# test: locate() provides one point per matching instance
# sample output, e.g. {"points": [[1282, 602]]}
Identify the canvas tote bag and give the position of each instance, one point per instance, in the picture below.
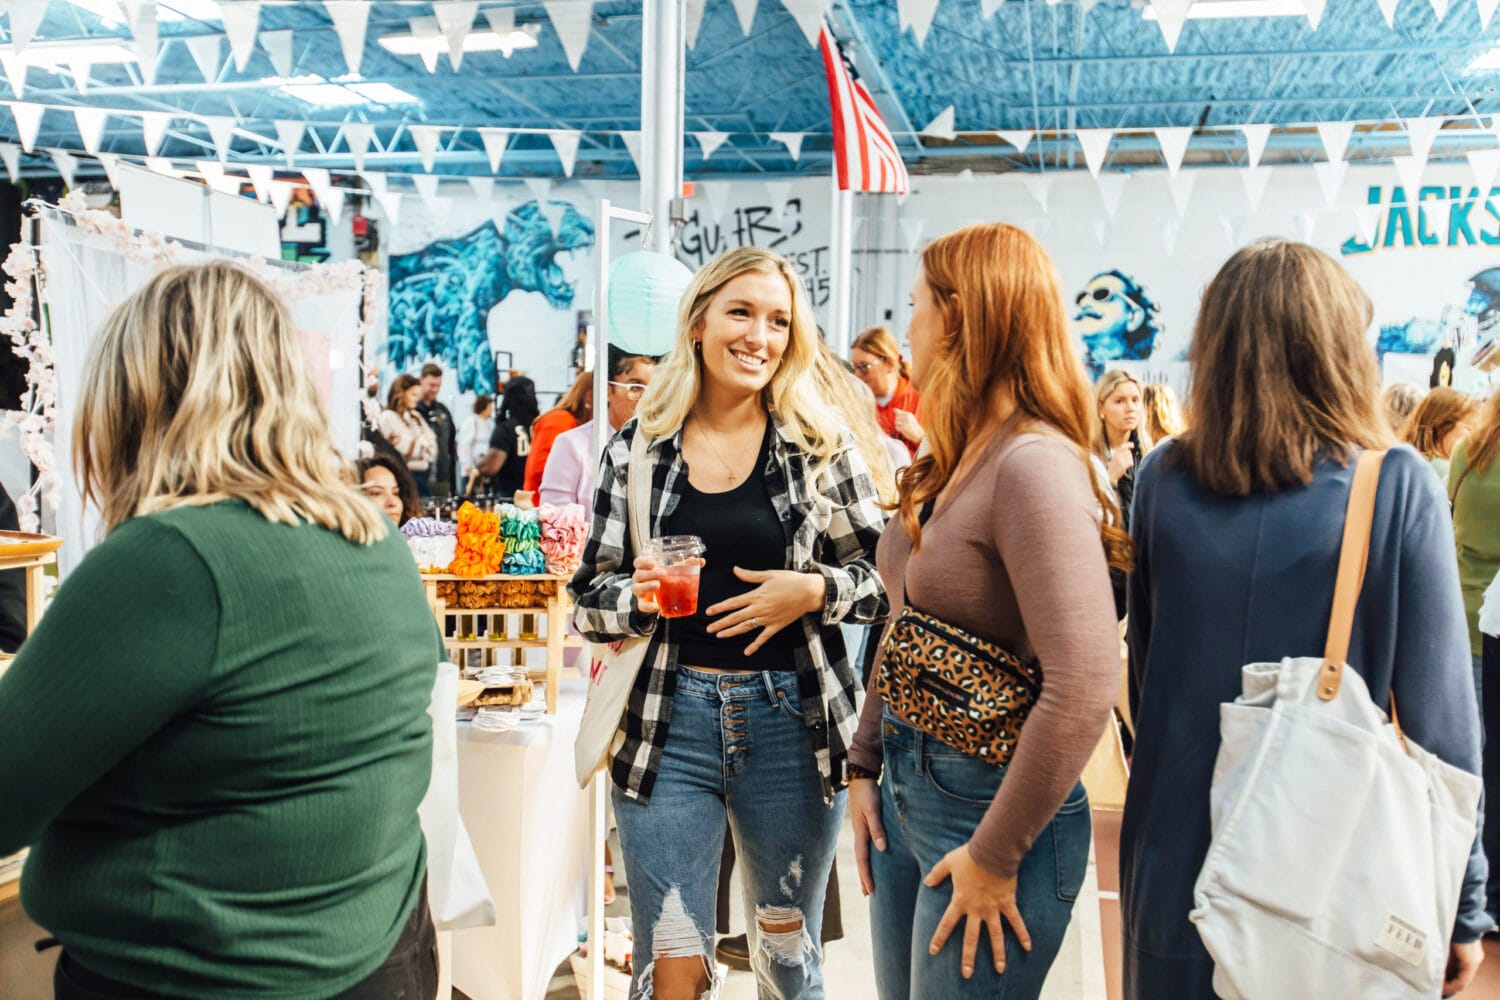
{"points": [[1339, 846], [613, 666]]}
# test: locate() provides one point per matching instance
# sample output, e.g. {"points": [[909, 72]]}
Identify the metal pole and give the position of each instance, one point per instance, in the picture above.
{"points": [[841, 271], [662, 74]]}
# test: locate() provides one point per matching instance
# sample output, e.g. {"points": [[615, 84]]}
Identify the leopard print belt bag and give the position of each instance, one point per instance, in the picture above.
{"points": [[968, 692]]}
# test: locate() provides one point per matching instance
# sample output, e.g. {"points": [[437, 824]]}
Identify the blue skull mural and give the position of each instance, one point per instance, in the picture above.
{"points": [[441, 295], [1459, 327], [1117, 321]]}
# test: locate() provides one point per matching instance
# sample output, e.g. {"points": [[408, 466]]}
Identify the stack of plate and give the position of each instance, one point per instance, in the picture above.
{"points": [[496, 720], [500, 676]]}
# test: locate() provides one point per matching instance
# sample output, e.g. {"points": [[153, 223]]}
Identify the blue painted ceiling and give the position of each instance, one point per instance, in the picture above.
{"points": [[1030, 65]]}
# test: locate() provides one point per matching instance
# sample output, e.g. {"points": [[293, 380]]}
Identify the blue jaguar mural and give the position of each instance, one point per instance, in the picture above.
{"points": [[1117, 321], [441, 295], [1460, 327]]}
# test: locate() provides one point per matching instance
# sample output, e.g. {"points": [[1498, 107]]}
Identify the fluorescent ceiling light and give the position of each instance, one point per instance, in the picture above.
{"points": [[1488, 62], [1209, 10], [343, 91], [55, 56], [433, 45]]}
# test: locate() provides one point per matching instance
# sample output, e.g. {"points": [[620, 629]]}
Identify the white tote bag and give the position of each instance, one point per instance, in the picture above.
{"points": [[613, 666], [1339, 846]]}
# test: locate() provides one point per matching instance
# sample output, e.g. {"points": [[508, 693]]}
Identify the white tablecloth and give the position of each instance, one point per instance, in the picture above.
{"points": [[530, 826]]}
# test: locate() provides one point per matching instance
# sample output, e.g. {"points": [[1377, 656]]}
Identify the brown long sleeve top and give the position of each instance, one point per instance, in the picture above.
{"points": [[1013, 554]]}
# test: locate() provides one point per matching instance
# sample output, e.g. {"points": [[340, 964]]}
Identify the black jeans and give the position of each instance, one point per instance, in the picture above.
{"points": [[410, 972]]}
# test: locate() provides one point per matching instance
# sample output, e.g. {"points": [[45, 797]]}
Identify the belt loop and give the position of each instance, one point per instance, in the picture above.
{"points": [[770, 686], [919, 748]]}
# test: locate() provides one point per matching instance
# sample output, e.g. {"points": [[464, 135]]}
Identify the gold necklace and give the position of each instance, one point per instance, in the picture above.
{"points": [[728, 469]]}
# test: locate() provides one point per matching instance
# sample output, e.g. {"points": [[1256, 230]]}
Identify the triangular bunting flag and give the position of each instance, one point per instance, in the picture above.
{"points": [[241, 22], [1388, 8], [1174, 143], [745, 11], [425, 29], [357, 136], [1335, 136], [1095, 143], [566, 144], [792, 141], [553, 212], [1486, 11], [1255, 142], [941, 127], [1019, 137], [809, 16], [1409, 169], [1421, 132], [261, 175], [322, 187], [161, 165], [205, 50], [540, 187], [987, 8], [154, 129], [90, 123], [494, 140], [1111, 187], [1306, 224], [278, 45], [1255, 180], [716, 193], [484, 187], [1366, 222], [15, 72], [350, 19], [25, 18], [502, 22], [632, 141], [106, 161], [455, 20], [1171, 15], [211, 171], [28, 121], [710, 141], [1101, 230], [1040, 187], [572, 20], [1181, 187], [911, 233], [692, 20], [1438, 211], [426, 138], [917, 15], [1170, 227], [1330, 178], [221, 131], [1314, 11], [1485, 163], [281, 197], [1440, 8], [66, 163], [11, 154], [289, 135], [79, 70], [143, 31], [427, 187], [391, 204]]}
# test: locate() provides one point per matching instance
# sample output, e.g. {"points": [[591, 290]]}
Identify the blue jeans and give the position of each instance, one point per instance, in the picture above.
{"points": [[738, 753], [932, 798]]}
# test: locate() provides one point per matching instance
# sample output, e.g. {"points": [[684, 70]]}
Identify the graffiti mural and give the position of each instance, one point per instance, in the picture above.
{"points": [[1116, 320], [441, 295], [1461, 326]]}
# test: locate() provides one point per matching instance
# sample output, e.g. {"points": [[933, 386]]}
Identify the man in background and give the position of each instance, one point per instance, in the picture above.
{"points": [[440, 480]]}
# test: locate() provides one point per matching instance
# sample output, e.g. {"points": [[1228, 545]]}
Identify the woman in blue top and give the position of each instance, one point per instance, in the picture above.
{"points": [[1237, 525]]}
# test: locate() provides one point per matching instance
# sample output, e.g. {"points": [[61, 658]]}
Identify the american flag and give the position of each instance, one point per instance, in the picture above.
{"points": [[866, 154]]}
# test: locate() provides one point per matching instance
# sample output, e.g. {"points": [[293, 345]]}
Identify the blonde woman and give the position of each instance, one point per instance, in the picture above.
{"points": [[408, 431], [218, 777], [1121, 439], [876, 359], [743, 711], [1163, 412]]}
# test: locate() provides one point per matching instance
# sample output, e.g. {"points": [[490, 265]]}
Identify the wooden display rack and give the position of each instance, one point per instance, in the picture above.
{"points": [[32, 555], [556, 608]]}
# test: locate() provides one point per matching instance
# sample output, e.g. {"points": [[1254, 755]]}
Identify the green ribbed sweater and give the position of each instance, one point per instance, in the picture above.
{"points": [[215, 742], [1476, 532]]}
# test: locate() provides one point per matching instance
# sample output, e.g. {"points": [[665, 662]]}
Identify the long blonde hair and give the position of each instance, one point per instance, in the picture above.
{"points": [[1163, 411], [812, 421], [855, 401], [195, 391], [1107, 384], [1436, 415]]}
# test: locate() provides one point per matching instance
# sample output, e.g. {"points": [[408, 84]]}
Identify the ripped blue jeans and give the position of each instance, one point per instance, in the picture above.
{"points": [[738, 753]]}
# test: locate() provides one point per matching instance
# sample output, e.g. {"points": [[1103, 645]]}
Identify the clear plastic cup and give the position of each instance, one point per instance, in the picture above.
{"points": [[679, 559]]}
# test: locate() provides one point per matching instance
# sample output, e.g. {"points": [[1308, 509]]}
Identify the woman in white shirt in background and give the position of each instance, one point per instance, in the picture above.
{"points": [[474, 438], [569, 474]]}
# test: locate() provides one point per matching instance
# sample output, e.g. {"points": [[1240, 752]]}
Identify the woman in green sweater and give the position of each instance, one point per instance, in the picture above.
{"points": [[216, 740]]}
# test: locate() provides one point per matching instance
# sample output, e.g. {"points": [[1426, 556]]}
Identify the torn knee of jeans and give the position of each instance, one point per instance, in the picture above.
{"points": [[675, 935], [783, 935]]}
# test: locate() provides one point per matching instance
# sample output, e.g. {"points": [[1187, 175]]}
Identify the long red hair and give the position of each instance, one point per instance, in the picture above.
{"points": [[1003, 315]]}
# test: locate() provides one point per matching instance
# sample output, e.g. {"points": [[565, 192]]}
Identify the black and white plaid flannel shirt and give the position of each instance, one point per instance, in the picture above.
{"points": [[831, 530]]}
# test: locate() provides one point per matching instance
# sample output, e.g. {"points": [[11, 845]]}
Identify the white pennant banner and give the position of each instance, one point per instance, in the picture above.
{"points": [[1331, 178], [1040, 187], [1181, 187], [25, 18], [484, 187], [941, 127], [1256, 137], [221, 131], [792, 141], [494, 140], [540, 187], [1422, 132], [553, 212], [1095, 143], [154, 129], [143, 31], [427, 188], [1174, 144], [90, 123], [261, 175], [80, 70], [809, 16], [289, 135], [1388, 8], [572, 20], [278, 45], [709, 142], [1440, 8], [11, 154], [211, 171], [745, 11], [426, 138], [1486, 11], [1019, 138], [357, 136], [1255, 180], [566, 144], [425, 29], [391, 203], [1409, 169], [1111, 188], [455, 20], [378, 184], [15, 72], [1485, 163], [632, 142], [917, 15], [66, 163], [1335, 136], [281, 197], [28, 122], [109, 163], [1439, 212], [1171, 15], [323, 189], [161, 165], [692, 20], [350, 20], [206, 51], [241, 22], [1314, 11], [1366, 222]]}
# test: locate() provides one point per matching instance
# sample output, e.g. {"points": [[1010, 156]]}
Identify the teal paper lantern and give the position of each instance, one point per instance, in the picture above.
{"points": [[645, 290]]}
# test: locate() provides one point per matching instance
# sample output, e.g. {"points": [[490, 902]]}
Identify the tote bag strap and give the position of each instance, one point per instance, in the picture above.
{"points": [[1353, 555], [638, 491]]}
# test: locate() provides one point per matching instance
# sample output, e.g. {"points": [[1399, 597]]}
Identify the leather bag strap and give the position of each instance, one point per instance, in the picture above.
{"points": [[1353, 555]]}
